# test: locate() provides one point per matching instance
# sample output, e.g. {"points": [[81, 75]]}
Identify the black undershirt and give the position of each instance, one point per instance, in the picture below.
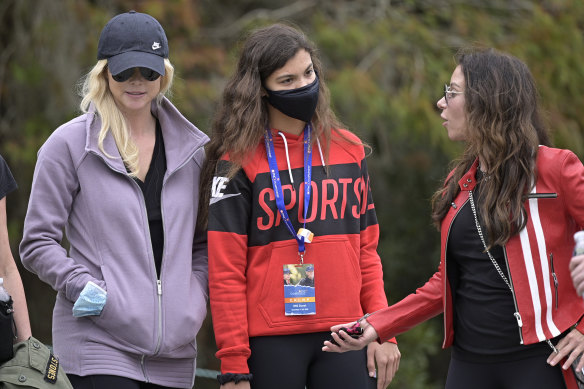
{"points": [[484, 322], [152, 190]]}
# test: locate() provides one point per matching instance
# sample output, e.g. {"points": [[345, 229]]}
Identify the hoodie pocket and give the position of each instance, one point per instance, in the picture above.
{"points": [[182, 321], [129, 315], [337, 281]]}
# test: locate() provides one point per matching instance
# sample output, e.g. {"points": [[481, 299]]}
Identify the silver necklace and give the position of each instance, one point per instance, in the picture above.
{"points": [[474, 213], [484, 174]]}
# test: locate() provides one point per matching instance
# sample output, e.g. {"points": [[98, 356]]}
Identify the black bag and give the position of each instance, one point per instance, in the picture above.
{"points": [[7, 330]]}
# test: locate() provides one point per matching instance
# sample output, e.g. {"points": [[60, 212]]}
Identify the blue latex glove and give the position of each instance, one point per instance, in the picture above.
{"points": [[91, 301]]}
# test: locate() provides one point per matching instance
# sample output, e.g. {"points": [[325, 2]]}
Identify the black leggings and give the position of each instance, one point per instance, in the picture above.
{"points": [[109, 382], [528, 373], [297, 361]]}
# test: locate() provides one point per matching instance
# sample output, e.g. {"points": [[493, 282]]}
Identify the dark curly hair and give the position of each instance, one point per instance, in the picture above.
{"points": [[241, 118], [504, 131]]}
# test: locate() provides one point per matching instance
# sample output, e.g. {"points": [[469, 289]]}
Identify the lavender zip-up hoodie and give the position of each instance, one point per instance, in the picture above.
{"points": [[147, 328]]}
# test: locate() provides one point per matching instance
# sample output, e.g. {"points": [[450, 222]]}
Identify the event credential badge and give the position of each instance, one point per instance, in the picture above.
{"points": [[299, 292]]}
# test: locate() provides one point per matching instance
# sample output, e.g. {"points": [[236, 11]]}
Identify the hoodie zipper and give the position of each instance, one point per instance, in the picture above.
{"points": [[158, 281], [143, 368], [151, 252]]}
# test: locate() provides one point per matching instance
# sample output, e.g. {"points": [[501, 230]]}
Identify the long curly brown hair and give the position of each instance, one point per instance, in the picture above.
{"points": [[242, 116], [504, 131]]}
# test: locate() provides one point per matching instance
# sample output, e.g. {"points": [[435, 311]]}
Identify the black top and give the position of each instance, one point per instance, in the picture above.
{"points": [[152, 190], [484, 321], [7, 182]]}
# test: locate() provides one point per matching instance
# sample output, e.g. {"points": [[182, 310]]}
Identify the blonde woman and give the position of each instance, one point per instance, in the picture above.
{"points": [[122, 181]]}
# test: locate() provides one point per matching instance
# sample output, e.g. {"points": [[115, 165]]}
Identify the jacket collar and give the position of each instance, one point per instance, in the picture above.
{"points": [[468, 180], [181, 138]]}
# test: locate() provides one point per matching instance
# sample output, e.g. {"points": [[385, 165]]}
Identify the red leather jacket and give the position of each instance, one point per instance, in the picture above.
{"points": [[536, 257]]}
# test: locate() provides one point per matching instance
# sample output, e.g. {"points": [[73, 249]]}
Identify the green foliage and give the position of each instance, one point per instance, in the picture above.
{"points": [[415, 367], [385, 64]]}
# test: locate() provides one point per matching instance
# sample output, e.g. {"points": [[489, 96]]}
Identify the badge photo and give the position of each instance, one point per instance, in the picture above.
{"points": [[299, 290]]}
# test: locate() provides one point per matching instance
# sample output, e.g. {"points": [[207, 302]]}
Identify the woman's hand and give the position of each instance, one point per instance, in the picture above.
{"points": [[386, 356], [345, 342], [577, 272], [232, 385], [571, 347]]}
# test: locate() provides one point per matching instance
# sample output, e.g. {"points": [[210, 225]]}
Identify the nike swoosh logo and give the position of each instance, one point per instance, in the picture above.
{"points": [[217, 199]]}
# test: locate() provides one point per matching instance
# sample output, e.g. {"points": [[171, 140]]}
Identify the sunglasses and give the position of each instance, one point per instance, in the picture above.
{"points": [[148, 74]]}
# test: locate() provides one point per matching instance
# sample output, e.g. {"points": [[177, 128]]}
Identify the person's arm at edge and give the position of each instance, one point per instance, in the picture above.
{"points": [[12, 280]]}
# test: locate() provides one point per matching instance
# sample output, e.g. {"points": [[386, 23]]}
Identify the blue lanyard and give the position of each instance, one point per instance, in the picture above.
{"points": [[277, 184]]}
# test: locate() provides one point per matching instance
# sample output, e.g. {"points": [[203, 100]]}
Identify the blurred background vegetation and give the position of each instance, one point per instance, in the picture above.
{"points": [[386, 64]]}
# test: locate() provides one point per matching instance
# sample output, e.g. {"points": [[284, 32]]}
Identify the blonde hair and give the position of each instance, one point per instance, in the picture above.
{"points": [[95, 90]]}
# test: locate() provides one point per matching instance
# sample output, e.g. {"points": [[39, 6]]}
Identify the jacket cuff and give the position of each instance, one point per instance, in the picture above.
{"points": [[377, 322], [232, 377], [233, 363]]}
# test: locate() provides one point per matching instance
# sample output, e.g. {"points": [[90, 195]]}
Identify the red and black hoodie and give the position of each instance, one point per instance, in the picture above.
{"points": [[249, 244]]}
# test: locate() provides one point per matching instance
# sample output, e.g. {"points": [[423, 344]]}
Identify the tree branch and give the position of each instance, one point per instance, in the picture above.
{"points": [[281, 13]]}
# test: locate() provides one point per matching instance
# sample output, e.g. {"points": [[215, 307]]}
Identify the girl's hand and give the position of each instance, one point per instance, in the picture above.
{"points": [[386, 356], [345, 342]]}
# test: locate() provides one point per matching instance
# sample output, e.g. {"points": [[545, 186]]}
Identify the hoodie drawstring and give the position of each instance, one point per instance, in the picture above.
{"points": [[288, 155], [320, 152]]}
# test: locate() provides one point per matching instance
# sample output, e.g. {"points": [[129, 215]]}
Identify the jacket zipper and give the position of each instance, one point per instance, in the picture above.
{"points": [[516, 314], [143, 367], [453, 205], [158, 281], [151, 252], [548, 341], [158, 285], [555, 277], [542, 196]]}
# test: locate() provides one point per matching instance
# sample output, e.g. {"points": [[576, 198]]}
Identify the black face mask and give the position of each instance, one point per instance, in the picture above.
{"points": [[298, 103]]}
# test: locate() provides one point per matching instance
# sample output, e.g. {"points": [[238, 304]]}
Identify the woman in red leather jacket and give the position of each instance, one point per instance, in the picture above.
{"points": [[507, 214]]}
